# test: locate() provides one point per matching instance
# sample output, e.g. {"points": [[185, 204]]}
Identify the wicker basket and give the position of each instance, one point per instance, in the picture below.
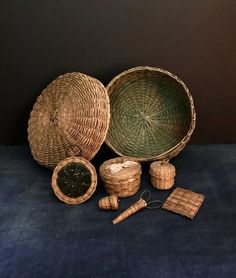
{"points": [[123, 183], [109, 203], [70, 117], [162, 175], [74, 180], [152, 114]]}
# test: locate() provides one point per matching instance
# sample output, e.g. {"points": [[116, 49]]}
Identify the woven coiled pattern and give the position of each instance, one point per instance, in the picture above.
{"points": [[74, 180], [70, 117], [152, 114]]}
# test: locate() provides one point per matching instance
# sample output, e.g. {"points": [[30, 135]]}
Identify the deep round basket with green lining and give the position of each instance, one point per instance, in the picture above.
{"points": [[152, 114], [74, 180]]}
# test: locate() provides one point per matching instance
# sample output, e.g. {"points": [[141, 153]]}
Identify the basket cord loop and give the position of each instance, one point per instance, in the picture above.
{"points": [[148, 193], [158, 202], [150, 204]]}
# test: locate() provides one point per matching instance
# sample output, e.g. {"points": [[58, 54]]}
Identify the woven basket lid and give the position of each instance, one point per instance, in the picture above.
{"points": [[126, 171], [74, 180], [70, 117], [152, 114]]}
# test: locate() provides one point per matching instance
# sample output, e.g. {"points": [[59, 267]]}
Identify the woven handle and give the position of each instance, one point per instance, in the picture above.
{"points": [[73, 150]]}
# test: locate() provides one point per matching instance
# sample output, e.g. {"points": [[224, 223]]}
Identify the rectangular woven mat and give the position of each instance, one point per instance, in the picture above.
{"points": [[184, 202]]}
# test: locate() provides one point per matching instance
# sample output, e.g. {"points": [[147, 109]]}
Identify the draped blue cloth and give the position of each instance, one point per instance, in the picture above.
{"points": [[43, 237]]}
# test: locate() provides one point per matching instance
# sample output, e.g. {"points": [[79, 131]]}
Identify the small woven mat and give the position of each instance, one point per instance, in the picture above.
{"points": [[184, 202]]}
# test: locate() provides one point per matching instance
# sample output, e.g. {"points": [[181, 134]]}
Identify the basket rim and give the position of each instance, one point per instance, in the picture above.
{"points": [[88, 193], [184, 140]]}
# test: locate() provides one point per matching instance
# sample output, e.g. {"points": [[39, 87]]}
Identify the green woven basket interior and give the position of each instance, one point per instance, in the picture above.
{"points": [[150, 114], [74, 179]]}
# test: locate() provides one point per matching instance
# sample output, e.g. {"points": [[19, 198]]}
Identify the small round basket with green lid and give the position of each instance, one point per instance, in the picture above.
{"points": [[74, 180], [152, 114]]}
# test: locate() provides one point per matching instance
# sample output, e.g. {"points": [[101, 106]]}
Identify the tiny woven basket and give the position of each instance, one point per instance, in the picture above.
{"points": [[109, 203], [124, 183], [70, 117], [152, 114], [162, 175], [74, 180]]}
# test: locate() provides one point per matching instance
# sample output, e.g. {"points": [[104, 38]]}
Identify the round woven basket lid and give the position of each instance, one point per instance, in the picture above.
{"points": [[127, 167], [70, 117], [152, 114], [74, 180]]}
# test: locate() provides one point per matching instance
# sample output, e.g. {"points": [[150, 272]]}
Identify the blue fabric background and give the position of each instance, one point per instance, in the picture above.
{"points": [[42, 237]]}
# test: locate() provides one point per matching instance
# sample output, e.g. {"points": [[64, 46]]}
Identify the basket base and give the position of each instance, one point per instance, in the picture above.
{"points": [[123, 189], [162, 184]]}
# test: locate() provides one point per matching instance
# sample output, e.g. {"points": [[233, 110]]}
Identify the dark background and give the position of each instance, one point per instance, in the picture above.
{"points": [[196, 40]]}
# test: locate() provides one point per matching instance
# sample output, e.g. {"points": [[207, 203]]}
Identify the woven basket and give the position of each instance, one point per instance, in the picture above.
{"points": [[152, 114], [162, 175], [124, 183], [70, 117], [110, 202], [74, 180]]}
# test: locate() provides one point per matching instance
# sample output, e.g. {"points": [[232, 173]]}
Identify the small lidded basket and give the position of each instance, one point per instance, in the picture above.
{"points": [[109, 203], [162, 174], [121, 176], [74, 180]]}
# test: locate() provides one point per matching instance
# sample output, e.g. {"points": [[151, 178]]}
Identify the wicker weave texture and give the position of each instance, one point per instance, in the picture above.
{"points": [[184, 202], [70, 117], [122, 188], [162, 175], [109, 203], [74, 179], [122, 184], [162, 184], [140, 204], [152, 114]]}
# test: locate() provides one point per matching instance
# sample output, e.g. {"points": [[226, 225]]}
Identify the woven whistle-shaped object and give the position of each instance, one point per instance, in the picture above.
{"points": [[131, 210], [109, 203]]}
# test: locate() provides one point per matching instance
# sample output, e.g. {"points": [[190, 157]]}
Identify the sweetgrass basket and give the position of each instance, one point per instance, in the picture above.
{"points": [[70, 117], [152, 114], [123, 183], [74, 180], [162, 174]]}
